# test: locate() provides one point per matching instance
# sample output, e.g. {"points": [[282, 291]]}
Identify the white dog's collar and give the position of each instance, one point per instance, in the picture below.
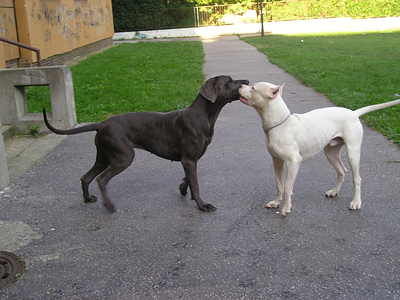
{"points": [[280, 123]]}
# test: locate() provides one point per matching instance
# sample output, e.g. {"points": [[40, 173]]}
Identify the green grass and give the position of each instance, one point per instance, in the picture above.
{"points": [[38, 97], [133, 77], [352, 70]]}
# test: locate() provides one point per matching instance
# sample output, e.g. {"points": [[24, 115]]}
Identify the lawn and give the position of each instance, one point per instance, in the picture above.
{"points": [[159, 76], [352, 70]]}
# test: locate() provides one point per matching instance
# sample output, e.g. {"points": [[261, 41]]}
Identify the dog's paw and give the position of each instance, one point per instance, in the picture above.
{"points": [[91, 199], [354, 205], [285, 212], [183, 187], [110, 207], [331, 193], [207, 207], [272, 204]]}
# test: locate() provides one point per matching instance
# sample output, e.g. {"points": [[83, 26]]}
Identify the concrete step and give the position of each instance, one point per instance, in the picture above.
{"points": [[7, 132], [23, 151], [4, 176]]}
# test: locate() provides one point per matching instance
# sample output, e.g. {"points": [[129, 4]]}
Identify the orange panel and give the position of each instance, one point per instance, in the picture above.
{"points": [[6, 3], [8, 30], [60, 26]]}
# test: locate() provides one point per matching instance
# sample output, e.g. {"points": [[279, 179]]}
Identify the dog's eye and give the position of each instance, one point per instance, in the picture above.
{"points": [[253, 88]]}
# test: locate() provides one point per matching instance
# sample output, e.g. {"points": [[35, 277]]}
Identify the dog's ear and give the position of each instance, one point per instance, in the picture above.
{"points": [[209, 90], [277, 91]]}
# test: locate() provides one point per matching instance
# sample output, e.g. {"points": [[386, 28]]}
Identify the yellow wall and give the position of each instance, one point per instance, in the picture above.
{"points": [[59, 26], [7, 30]]}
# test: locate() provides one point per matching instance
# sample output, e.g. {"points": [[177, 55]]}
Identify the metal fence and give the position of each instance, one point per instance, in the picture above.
{"points": [[183, 17], [228, 14]]}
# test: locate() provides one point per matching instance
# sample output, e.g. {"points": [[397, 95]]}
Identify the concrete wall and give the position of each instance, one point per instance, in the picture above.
{"points": [[13, 104], [54, 26]]}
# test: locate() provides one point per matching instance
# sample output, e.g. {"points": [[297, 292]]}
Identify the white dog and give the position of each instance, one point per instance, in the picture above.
{"points": [[292, 138]]}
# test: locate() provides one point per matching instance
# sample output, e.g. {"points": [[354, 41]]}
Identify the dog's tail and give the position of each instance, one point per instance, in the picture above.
{"points": [[367, 109], [85, 128]]}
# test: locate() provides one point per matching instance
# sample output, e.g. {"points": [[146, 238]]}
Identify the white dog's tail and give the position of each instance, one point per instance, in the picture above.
{"points": [[367, 109]]}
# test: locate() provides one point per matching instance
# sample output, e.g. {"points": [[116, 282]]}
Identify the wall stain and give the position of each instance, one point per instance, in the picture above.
{"points": [[47, 35], [71, 22], [56, 26]]}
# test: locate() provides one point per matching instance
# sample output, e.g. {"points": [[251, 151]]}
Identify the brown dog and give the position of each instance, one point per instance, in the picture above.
{"points": [[181, 135]]}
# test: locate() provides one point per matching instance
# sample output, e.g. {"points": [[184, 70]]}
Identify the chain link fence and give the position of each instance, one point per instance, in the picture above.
{"points": [[168, 18], [227, 14]]}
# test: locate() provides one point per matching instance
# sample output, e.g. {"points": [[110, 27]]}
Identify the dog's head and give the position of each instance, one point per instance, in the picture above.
{"points": [[222, 89], [260, 94]]}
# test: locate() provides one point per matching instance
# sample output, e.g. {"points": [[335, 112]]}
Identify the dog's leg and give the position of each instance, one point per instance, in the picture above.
{"points": [[278, 168], [190, 168], [291, 168], [183, 187], [353, 141], [353, 152], [98, 167], [333, 154], [120, 163]]}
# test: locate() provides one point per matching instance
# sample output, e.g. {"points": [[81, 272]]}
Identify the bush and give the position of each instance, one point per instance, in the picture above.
{"points": [[133, 15], [304, 9]]}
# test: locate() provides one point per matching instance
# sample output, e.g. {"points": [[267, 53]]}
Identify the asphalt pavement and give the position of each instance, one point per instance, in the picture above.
{"points": [[159, 246]]}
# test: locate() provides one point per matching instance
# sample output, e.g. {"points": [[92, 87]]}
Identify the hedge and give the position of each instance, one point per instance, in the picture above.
{"points": [[134, 15], [304, 9]]}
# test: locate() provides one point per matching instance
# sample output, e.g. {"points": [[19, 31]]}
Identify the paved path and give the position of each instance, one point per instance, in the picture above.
{"points": [[159, 246]]}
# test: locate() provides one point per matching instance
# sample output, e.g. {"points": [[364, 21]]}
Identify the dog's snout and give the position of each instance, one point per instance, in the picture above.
{"points": [[243, 86], [246, 82]]}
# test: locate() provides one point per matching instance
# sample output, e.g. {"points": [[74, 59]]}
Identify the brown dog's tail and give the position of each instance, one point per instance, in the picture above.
{"points": [[85, 128], [367, 109]]}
